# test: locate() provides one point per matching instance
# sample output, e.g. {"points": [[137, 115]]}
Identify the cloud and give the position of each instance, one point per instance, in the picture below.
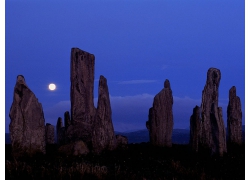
{"points": [[131, 112], [137, 81]]}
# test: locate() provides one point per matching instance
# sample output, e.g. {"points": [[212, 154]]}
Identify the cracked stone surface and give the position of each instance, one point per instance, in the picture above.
{"points": [[27, 125]]}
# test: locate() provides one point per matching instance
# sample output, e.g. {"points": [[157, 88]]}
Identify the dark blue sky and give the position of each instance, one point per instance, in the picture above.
{"points": [[137, 45]]}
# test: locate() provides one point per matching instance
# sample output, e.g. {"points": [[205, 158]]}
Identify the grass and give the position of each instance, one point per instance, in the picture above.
{"points": [[138, 161]]}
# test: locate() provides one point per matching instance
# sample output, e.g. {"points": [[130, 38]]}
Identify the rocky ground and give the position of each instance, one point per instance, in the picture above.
{"points": [[138, 161]]}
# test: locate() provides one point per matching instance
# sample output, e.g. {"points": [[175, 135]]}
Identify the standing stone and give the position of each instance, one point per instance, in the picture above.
{"points": [[213, 133], [49, 134], [160, 123], [103, 130], [81, 95], [234, 118], [27, 127], [67, 121], [195, 129], [60, 131]]}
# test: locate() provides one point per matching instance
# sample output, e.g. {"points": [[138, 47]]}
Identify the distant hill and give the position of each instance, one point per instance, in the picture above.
{"points": [[180, 136]]}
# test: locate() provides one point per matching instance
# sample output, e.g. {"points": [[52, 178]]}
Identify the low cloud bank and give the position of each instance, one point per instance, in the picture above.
{"points": [[130, 113]]}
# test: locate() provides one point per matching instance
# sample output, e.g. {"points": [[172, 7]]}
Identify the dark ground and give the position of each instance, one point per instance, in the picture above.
{"points": [[138, 161]]}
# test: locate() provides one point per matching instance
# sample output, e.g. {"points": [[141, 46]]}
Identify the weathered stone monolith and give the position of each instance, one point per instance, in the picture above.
{"points": [[160, 122], [234, 118], [103, 137], [81, 95], [60, 131], [27, 125], [49, 134], [213, 133], [195, 129]]}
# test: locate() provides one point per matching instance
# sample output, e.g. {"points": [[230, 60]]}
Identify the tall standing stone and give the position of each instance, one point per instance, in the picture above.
{"points": [[49, 134], [160, 123], [27, 126], [195, 129], [67, 121], [60, 131], [82, 86], [81, 95], [234, 118], [103, 130], [213, 133]]}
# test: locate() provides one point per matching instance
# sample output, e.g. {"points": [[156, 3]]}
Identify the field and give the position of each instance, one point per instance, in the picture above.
{"points": [[138, 161]]}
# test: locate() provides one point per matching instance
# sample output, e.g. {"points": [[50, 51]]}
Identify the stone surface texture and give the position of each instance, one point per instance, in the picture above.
{"points": [[103, 137], [160, 122], [213, 133], [234, 118], [27, 126], [195, 129], [81, 95], [49, 134]]}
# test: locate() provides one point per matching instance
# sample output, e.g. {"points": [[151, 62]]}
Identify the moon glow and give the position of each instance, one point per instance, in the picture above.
{"points": [[52, 87]]}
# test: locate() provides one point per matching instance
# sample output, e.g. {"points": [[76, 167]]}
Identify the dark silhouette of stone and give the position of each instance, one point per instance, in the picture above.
{"points": [[121, 142], [103, 130], [213, 133], [74, 149], [60, 131], [49, 134], [234, 118], [195, 129], [160, 122], [27, 126], [67, 121], [81, 95]]}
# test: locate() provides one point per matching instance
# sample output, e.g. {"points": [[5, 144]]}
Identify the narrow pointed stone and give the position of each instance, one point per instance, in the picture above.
{"points": [[195, 129], [103, 130], [234, 118], [60, 131], [27, 126], [67, 121], [160, 123]]}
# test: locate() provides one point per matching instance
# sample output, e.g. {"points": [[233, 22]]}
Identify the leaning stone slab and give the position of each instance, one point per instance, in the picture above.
{"points": [[160, 122], [27, 125]]}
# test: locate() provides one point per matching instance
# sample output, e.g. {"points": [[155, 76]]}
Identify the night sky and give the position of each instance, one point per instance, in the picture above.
{"points": [[137, 45]]}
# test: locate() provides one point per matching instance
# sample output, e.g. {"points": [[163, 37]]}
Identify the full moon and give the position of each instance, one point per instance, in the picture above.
{"points": [[52, 87]]}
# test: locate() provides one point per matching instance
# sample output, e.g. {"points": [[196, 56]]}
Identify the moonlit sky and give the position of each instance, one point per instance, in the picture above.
{"points": [[137, 45]]}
